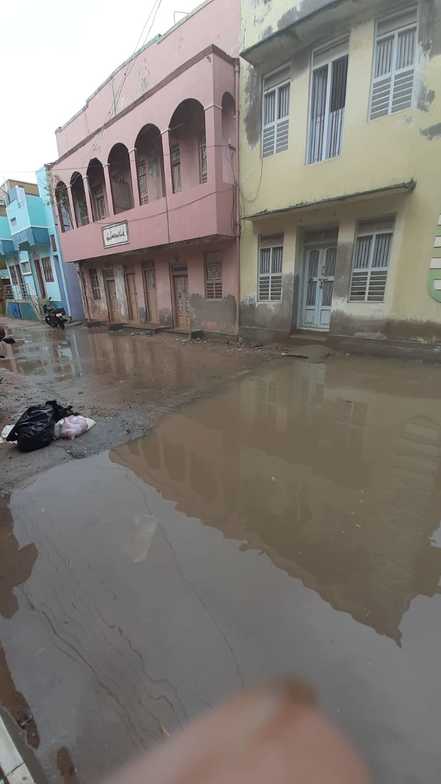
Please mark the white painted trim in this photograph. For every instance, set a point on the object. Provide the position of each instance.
(435, 264)
(437, 243)
(437, 285)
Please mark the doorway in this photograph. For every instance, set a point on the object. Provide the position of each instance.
(151, 305)
(132, 297)
(318, 286)
(41, 286)
(111, 298)
(180, 297)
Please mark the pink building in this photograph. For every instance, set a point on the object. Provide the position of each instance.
(146, 181)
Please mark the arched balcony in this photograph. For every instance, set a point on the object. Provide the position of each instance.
(120, 178)
(63, 208)
(79, 199)
(97, 189)
(149, 164)
(188, 147)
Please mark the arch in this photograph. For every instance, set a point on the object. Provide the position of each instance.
(79, 199)
(188, 146)
(149, 164)
(120, 178)
(229, 137)
(97, 189)
(63, 207)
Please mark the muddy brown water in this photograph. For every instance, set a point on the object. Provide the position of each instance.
(290, 524)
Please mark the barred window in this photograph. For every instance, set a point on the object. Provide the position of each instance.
(95, 284)
(213, 277)
(203, 171)
(270, 273)
(13, 274)
(47, 270)
(370, 264)
(175, 158)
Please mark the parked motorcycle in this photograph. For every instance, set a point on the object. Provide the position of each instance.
(55, 317)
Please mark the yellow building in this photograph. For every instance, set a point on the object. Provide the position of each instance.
(341, 167)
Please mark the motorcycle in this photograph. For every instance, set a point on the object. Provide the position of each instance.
(55, 317)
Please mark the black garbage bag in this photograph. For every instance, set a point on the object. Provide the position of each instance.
(35, 428)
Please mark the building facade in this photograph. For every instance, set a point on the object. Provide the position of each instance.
(145, 184)
(29, 247)
(340, 191)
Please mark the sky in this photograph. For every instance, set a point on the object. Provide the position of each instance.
(54, 54)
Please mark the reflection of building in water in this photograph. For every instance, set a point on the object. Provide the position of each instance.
(338, 483)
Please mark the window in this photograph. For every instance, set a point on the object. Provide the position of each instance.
(53, 243)
(270, 270)
(394, 64)
(275, 110)
(213, 276)
(175, 157)
(47, 270)
(142, 182)
(95, 284)
(13, 222)
(26, 268)
(327, 104)
(371, 262)
(202, 160)
(13, 274)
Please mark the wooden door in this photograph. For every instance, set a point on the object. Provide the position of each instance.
(132, 298)
(112, 302)
(182, 315)
(40, 279)
(151, 305)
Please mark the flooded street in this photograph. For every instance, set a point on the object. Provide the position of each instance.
(288, 524)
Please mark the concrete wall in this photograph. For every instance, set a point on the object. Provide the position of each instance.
(375, 154)
(217, 315)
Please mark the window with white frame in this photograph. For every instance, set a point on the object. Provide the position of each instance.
(13, 275)
(270, 269)
(394, 64)
(370, 263)
(327, 102)
(26, 268)
(275, 112)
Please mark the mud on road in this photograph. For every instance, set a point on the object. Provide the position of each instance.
(123, 380)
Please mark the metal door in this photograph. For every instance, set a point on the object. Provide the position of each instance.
(182, 315)
(319, 276)
(132, 299)
(150, 293)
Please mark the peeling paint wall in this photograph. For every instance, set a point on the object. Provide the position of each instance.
(375, 154)
(219, 315)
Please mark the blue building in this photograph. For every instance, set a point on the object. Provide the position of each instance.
(29, 246)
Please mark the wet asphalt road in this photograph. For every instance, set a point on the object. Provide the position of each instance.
(288, 524)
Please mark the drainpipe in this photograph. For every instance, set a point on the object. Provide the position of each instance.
(237, 184)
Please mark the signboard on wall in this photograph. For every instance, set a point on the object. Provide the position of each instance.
(116, 234)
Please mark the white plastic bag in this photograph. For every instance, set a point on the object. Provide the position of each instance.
(74, 426)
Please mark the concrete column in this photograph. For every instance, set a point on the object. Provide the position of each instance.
(134, 174)
(71, 207)
(215, 140)
(109, 199)
(88, 199)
